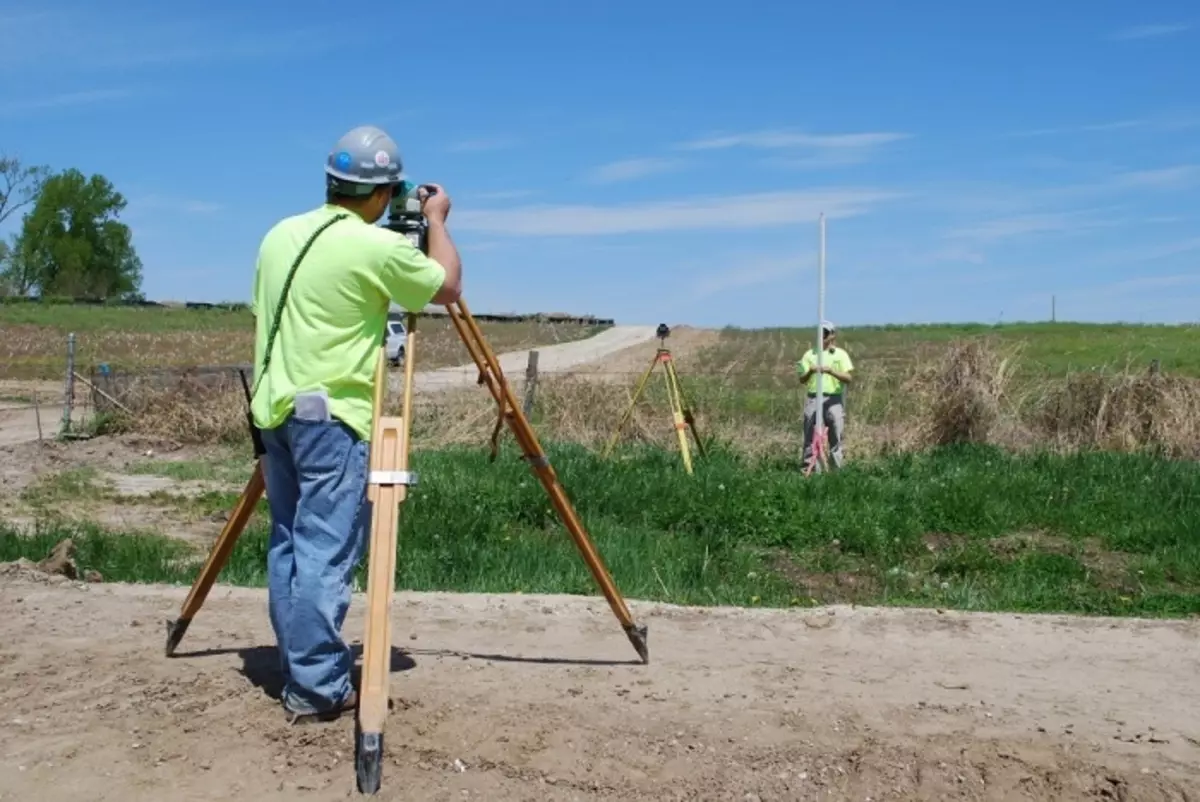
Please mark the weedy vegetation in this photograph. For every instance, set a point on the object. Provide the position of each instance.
(33, 338)
(1034, 468)
(968, 527)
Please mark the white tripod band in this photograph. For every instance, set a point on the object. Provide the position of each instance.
(392, 478)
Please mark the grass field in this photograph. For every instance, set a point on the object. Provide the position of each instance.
(1062, 384)
(1046, 349)
(964, 527)
(33, 338)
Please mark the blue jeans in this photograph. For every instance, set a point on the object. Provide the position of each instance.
(316, 473)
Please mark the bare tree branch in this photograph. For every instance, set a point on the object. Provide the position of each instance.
(19, 185)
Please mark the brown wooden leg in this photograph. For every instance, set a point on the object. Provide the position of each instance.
(387, 489)
(218, 556)
(489, 368)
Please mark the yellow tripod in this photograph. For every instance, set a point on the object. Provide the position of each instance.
(681, 413)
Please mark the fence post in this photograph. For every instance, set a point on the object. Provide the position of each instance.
(37, 414)
(69, 398)
(531, 376)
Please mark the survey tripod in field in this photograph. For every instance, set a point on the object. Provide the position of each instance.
(388, 485)
(681, 412)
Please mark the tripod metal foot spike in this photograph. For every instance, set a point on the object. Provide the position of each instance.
(638, 635)
(175, 633)
(368, 761)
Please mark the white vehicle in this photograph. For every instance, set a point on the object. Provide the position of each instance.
(395, 342)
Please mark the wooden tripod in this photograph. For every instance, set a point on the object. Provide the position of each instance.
(387, 489)
(681, 413)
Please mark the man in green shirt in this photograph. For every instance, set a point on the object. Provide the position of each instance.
(835, 372)
(314, 396)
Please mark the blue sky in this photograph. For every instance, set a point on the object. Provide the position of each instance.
(658, 160)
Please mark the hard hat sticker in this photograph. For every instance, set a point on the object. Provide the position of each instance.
(343, 161)
(382, 159)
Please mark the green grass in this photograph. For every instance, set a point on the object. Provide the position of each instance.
(967, 528)
(231, 468)
(1048, 349)
(88, 318)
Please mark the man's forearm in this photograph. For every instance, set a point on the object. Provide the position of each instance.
(443, 251)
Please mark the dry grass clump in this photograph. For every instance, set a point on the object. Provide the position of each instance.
(1123, 412)
(963, 395)
(190, 411)
(968, 394)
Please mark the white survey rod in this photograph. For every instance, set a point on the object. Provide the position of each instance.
(820, 422)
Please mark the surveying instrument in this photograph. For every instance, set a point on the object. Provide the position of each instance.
(681, 412)
(388, 483)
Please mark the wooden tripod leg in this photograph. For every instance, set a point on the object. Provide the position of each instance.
(489, 368)
(677, 415)
(637, 393)
(387, 489)
(686, 409)
(218, 556)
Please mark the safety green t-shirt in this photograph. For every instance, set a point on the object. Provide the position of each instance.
(835, 358)
(336, 311)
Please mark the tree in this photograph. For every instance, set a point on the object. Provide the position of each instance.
(19, 186)
(71, 242)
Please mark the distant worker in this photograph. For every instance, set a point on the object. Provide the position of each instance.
(314, 396)
(837, 367)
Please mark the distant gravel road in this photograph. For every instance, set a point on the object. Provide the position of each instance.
(18, 422)
(551, 359)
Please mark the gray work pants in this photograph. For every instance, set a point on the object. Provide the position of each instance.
(835, 426)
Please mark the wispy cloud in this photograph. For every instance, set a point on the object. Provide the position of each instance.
(1156, 251)
(749, 211)
(482, 145)
(632, 169)
(749, 274)
(100, 40)
(1149, 31)
(140, 204)
(1181, 175)
(784, 139)
(1165, 123)
(88, 97)
(501, 194)
(801, 149)
(1003, 228)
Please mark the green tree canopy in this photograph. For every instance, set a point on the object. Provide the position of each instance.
(71, 242)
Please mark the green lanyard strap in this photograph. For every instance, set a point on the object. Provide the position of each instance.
(287, 285)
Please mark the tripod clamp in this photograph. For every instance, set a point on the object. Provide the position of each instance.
(392, 478)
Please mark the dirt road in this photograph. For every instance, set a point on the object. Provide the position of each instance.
(551, 359)
(530, 698)
(19, 422)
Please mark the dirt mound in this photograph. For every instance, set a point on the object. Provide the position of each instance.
(509, 698)
(59, 564)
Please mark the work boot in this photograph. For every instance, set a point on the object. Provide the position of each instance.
(297, 714)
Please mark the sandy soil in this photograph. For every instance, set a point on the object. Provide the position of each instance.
(532, 698)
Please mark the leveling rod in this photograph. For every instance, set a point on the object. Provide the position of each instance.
(509, 410)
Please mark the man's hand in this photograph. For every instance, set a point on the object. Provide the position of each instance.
(434, 205)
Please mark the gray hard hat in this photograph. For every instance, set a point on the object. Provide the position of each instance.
(362, 159)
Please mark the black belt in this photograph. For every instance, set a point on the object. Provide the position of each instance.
(828, 396)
